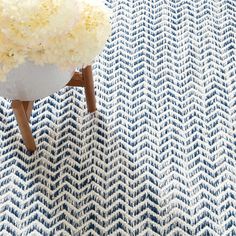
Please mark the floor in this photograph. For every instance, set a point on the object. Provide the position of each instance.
(159, 155)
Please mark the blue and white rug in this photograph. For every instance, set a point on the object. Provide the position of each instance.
(159, 156)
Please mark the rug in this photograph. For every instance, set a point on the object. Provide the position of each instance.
(159, 155)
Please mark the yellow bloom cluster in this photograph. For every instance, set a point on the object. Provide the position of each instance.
(68, 33)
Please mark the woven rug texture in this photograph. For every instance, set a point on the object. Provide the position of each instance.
(159, 155)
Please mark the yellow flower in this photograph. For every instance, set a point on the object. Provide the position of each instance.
(68, 33)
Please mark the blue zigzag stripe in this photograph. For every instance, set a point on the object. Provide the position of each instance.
(159, 156)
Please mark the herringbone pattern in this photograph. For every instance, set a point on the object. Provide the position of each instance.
(159, 156)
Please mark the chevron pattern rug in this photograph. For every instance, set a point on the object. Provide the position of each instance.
(158, 157)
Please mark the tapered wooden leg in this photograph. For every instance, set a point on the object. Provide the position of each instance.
(89, 88)
(21, 111)
(28, 106)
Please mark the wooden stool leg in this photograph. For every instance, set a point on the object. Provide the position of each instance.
(28, 106)
(23, 121)
(89, 88)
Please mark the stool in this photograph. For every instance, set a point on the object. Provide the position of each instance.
(23, 109)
